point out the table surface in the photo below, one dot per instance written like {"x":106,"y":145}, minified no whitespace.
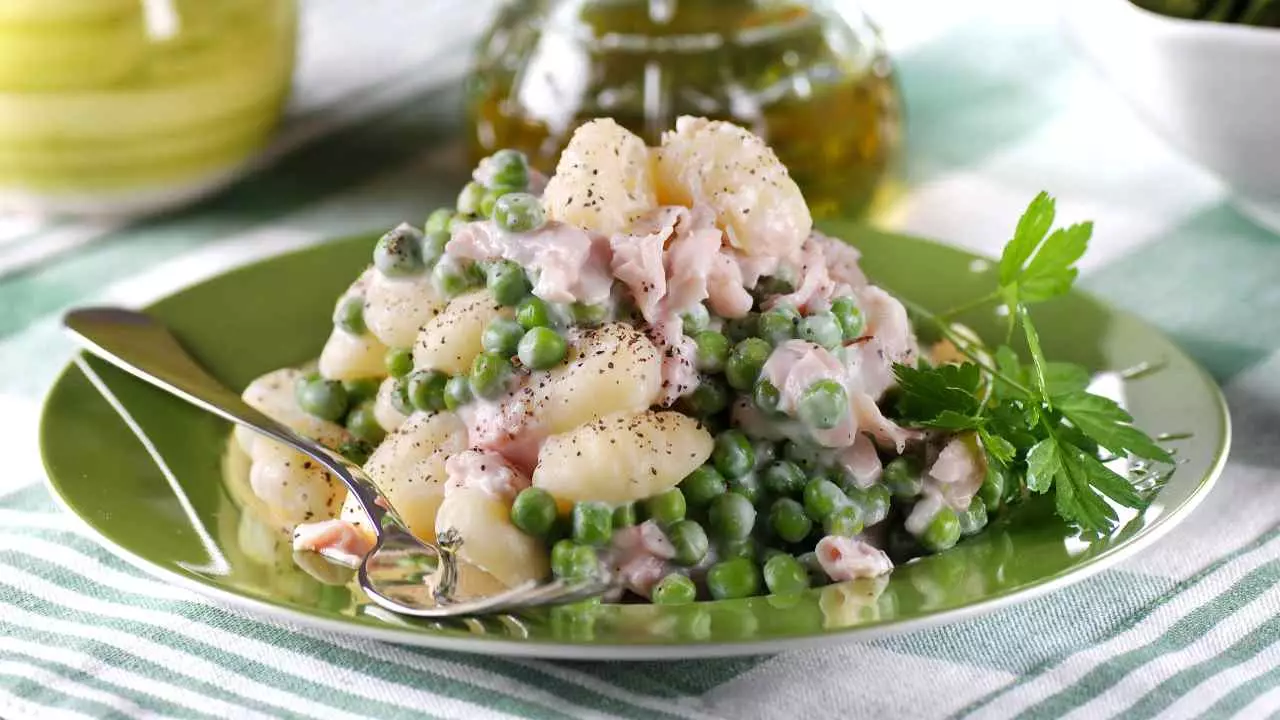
{"x":1000,"y":108}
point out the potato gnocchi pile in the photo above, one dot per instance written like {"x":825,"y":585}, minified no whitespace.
{"x":648,"y":366}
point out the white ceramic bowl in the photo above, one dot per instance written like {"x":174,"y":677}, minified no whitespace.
{"x":1211,"y":89}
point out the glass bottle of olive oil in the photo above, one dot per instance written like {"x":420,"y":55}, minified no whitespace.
{"x":810,"y":76}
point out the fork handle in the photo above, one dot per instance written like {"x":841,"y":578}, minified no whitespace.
{"x":140,"y":345}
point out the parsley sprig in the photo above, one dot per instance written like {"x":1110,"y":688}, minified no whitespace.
{"x":1036,"y":421}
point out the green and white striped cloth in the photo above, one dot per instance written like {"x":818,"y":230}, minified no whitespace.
{"x":1000,"y":108}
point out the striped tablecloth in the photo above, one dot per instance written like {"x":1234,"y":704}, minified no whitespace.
{"x":1000,"y":108}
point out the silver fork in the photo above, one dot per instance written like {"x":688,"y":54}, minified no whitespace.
{"x":402,"y":573}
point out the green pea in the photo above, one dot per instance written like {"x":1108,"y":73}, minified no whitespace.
{"x":624,"y":515}
{"x":690,"y":542}
{"x":502,"y":336}
{"x":710,"y":397}
{"x":587,"y":315}
{"x":349,"y":315}
{"x":572,"y":561}
{"x":470,"y":197}
{"x":733,"y":454}
{"x":592,"y":523}
{"x":518,"y":213}
{"x":325,"y":399}
{"x":808,"y":457}
{"x":702,"y":486}
{"x":509,"y":168}
{"x":766,"y":453}
{"x":364,"y":425}
{"x":357,"y":451}
{"x":993,"y":485}
{"x":667,"y":507}
{"x":822,"y":497}
{"x":739,"y":329}
{"x":731,"y":517}
{"x":823,"y":404}
{"x":747,"y":548}
{"x":399,"y":252}
{"x":903,"y":477}
{"x":426,"y":389}
{"x":873,"y":502}
{"x":748,"y":486}
{"x":942,"y":532}
{"x":507,"y":283}
{"x":973,"y":519}
{"x":453,"y":277}
{"x":845,"y":521}
{"x":784,"y":574}
{"x":532,"y":312}
{"x":712,"y":351}
{"x":433,"y":248}
{"x":767,"y":397}
{"x":737,"y":578}
{"x":542,"y":348}
{"x":695,"y":320}
{"x":788,"y":520}
{"x":784,"y":478}
{"x":674,"y":589}
{"x":747,"y":358}
{"x":778,"y":325}
{"x":362,"y":389}
{"x":489,"y":375}
{"x":457,"y":392}
{"x":438,"y":221}
{"x":849,"y":315}
{"x":813,"y":568}
{"x":400,"y":396}
{"x":489,"y":200}
{"x":534,"y":512}
{"x":399,"y":362}
{"x":821,"y":329}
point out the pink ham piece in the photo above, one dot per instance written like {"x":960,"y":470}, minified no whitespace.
{"x":337,"y":539}
{"x":842,"y":260}
{"x":484,"y":470}
{"x":845,"y":558}
{"x":862,"y":462}
{"x":566,"y":263}
{"x":795,"y":365}
{"x":959,"y":471}
{"x":639,"y":557}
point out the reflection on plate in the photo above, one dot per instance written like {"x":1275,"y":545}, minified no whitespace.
{"x":191,"y":519}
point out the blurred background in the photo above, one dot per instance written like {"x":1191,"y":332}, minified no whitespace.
{"x":150,"y":127}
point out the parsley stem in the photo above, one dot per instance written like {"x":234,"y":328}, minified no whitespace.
{"x":964,"y":346}
{"x":966,"y":307}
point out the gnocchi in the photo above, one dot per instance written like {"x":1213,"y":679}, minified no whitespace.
{"x":396,"y":309}
{"x":622,"y":457}
{"x":613,"y":368}
{"x":452,"y":339}
{"x":489,"y":540}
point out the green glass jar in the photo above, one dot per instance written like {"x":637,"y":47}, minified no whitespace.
{"x":810,"y":76}
{"x":125,"y":106}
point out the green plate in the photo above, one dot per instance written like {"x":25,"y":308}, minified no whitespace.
{"x":164,"y":505}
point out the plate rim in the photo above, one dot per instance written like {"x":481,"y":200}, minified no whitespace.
{"x":570,"y":650}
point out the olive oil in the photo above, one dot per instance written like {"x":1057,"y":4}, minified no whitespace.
{"x":817,"y":85}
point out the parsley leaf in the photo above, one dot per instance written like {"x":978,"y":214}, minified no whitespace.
{"x":1031,"y":230}
{"x":1109,"y":425}
{"x":1037,"y":417}
{"x":944,"y":397}
{"x":1052,"y":271}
